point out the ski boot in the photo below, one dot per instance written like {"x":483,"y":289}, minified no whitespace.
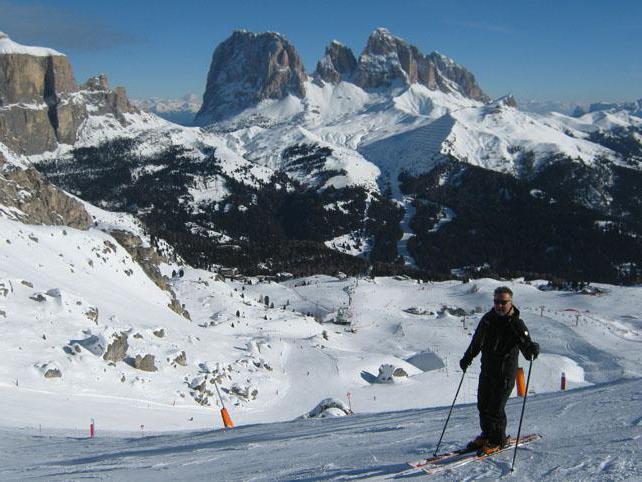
{"x":490,"y":447}
{"x":477,"y":443}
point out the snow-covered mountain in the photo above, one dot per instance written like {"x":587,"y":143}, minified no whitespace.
{"x":179,"y":111}
{"x":105,"y":315}
{"x":547,"y":106}
{"x":634,"y":107}
{"x":293,"y":158}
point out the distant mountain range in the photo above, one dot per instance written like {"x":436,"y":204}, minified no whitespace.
{"x":179,"y":111}
{"x":183,"y":110}
{"x":391,"y":160}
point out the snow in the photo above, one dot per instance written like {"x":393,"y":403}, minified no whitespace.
{"x":208,"y":190}
{"x":8,"y":46}
{"x":13,"y":160}
{"x":64,"y":293}
{"x":305,"y":366}
{"x":588,"y":434}
{"x":353,"y":244}
{"x":498,"y":137}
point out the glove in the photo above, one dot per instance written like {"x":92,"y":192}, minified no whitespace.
{"x":533,"y":351}
{"x":464,"y":363}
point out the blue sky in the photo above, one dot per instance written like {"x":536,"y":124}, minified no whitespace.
{"x":567,"y":50}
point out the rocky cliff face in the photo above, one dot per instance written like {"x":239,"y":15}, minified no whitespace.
{"x":26,"y":196}
{"x":388,"y":60}
{"x":40,"y":103}
{"x":248,"y":68}
{"x":449,"y":72}
{"x":338,"y":63}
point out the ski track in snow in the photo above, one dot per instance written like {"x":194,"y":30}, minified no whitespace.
{"x":590,"y":433}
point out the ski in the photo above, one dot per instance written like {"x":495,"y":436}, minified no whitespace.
{"x":438,"y":458}
{"x":443,"y":465}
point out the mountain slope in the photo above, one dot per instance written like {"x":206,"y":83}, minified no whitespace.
{"x":593,"y":433}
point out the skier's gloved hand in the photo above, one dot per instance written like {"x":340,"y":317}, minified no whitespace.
{"x":464,"y":363}
{"x":533,"y":351}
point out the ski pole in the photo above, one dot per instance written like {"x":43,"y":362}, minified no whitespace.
{"x":528,"y":379}
{"x":451,"y":411}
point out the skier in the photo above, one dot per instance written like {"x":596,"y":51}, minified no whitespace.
{"x":498,"y":336}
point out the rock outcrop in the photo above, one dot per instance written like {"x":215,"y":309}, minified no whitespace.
{"x":40,"y":103}
{"x":145,"y":363}
{"x":149,"y":260}
{"x":104,"y":100}
{"x":249,"y":67}
{"x":246,"y":69}
{"x":53,"y":373}
{"x":181,"y":359}
{"x":117,"y":349}
{"x":26,"y":196}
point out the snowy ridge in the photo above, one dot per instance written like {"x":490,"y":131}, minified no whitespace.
{"x":498,"y":137}
{"x":8,"y":46}
{"x":344,"y":116}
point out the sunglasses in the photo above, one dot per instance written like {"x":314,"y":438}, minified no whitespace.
{"x":501,"y":302}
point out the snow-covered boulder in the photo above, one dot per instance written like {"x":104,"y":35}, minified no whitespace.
{"x":329,"y":407}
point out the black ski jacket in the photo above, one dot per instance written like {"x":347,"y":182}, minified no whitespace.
{"x":499,"y":338}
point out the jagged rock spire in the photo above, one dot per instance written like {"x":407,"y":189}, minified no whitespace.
{"x":338,"y":63}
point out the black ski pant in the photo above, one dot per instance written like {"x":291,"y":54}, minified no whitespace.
{"x":492,"y":394}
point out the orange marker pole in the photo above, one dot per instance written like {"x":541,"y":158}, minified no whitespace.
{"x":227,"y":420}
{"x":521,"y":386}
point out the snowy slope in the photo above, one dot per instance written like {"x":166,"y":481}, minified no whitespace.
{"x":589,"y":434}
{"x":61,"y":287}
{"x":154,"y":135}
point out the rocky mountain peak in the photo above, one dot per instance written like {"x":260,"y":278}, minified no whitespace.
{"x":97,"y":82}
{"x":248,"y":68}
{"x":388,"y":60}
{"x":382,"y":42}
{"x":337,"y":64}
